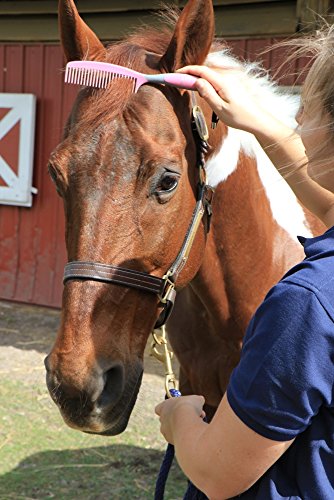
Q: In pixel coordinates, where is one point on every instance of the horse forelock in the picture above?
(141, 51)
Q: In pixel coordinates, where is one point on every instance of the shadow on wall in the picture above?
(101, 473)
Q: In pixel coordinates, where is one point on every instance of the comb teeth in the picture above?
(94, 77)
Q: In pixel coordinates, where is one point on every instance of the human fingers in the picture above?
(166, 406)
(205, 73)
(197, 402)
(213, 76)
(158, 408)
(216, 100)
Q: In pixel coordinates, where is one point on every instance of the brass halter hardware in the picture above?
(164, 356)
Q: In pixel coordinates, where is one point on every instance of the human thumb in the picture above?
(207, 91)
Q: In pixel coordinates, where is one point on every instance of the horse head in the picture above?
(126, 171)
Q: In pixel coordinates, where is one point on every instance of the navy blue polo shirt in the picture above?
(283, 387)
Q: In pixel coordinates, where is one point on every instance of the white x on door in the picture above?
(17, 136)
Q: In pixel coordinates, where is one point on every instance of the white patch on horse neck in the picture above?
(284, 205)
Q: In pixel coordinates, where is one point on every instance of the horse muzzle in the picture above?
(100, 403)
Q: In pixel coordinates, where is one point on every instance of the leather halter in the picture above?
(163, 287)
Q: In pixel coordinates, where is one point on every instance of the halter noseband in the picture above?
(163, 287)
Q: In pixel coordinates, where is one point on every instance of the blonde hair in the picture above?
(319, 83)
(318, 88)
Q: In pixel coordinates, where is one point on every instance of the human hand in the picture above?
(170, 410)
(230, 94)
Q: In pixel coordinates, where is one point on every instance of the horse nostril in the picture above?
(113, 386)
(47, 363)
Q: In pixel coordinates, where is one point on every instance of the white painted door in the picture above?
(17, 137)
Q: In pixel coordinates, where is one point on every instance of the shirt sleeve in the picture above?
(285, 373)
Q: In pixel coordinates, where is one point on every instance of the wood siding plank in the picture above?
(29, 250)
(2, 68)
(47, 215)
(238, 48)
(10, 216)
(280, 69)
(255, 51)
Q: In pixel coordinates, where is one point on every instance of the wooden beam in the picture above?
(265, 19)
(241, 2)
(310, 12)
(44, 28)
(31, 7)
(236, 19)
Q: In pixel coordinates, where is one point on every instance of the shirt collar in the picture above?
(318, 244)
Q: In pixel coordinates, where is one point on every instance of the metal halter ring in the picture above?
(200, 123)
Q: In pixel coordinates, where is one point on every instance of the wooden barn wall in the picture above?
(32, 251)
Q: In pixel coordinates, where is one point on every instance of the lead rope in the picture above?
(165, 356)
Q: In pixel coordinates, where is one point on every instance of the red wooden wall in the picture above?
(32, 252)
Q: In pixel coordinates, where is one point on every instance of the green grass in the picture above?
(41, 458)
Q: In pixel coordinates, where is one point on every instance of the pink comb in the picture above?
(100, 74)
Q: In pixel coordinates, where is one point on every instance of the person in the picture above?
(272, 436)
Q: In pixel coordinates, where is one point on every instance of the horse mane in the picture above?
(280, 102)
(129, 53)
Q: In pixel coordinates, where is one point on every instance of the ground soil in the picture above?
(40, 457)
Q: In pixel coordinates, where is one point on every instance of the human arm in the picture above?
(230, 95)
(224, 458)
(283, 381)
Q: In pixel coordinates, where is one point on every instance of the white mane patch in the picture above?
(284, 205)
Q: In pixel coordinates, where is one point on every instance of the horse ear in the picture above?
(78, 40)
(192, 37)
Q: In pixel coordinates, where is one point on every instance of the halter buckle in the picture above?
(200, 122)
(168, 290)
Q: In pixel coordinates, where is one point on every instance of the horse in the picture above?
(127, 170)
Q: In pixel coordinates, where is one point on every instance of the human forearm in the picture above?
(197, 456)
(188, 429)
(286, 151)
(182, 425)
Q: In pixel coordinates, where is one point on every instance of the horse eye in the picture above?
(168, 183)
